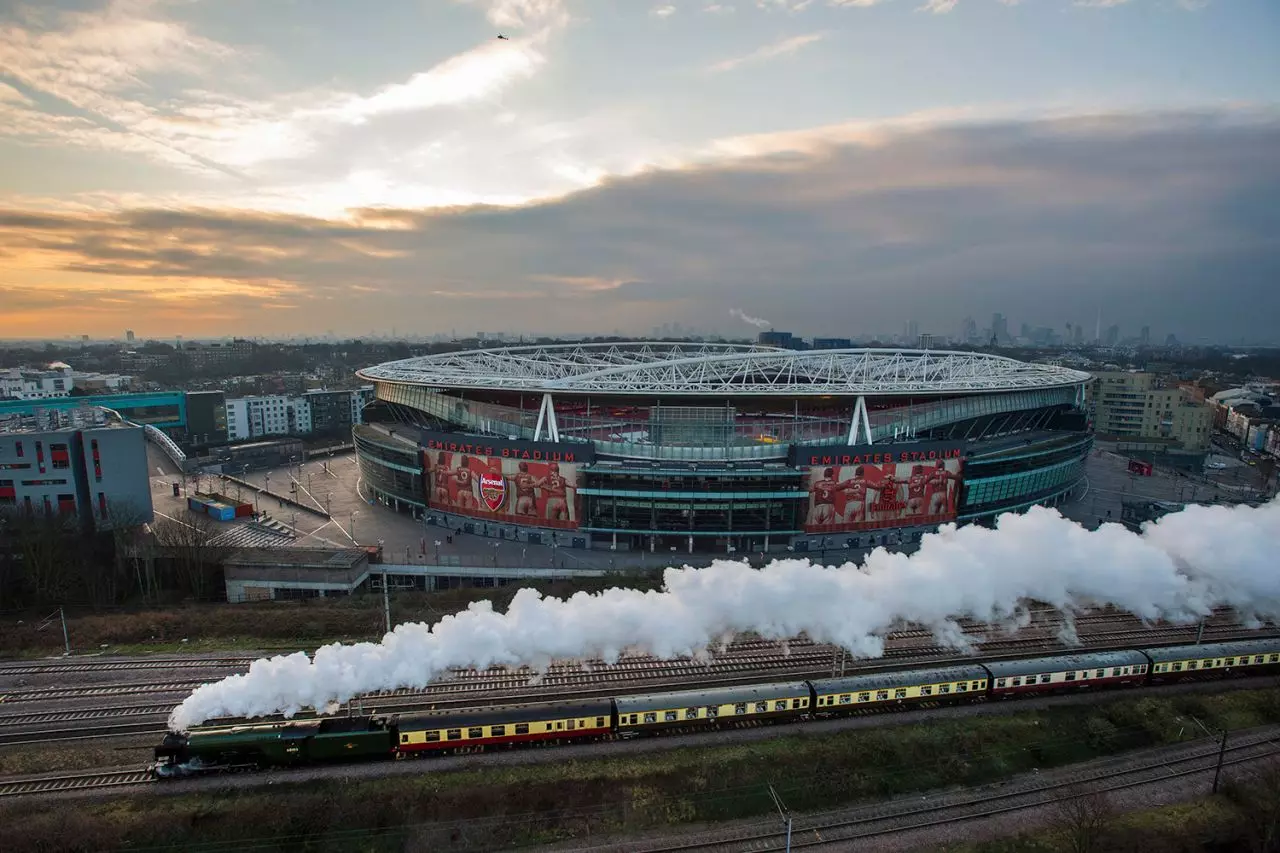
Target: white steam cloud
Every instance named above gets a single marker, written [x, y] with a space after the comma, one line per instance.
[1178, 569]
[747, 318]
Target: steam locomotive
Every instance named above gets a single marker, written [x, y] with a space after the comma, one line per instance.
[369, 737]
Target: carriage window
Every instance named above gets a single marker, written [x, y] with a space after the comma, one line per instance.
[1000, 682]
[404, 738]
[497, 731]
[691, 713]
[945, 688]
[522, 728]
[1260, 659]
[882, 695]
[864, 697]
[670, 716]
[926, 691]
[900, 693]
[651, 717]
[477, 731]
[1045, 679]
[454, 734]
[1192, 664]
[1275, 659]
[762, 707]
[780, 705]
[599, 722]
[740, 708]
[1177, 667]
[1102, 673]
[1017, 682]
[432, 737]
[962, 686]
[1231, 661]
[713, 711]
[846, 699]
[1070, 676]
[572, 725]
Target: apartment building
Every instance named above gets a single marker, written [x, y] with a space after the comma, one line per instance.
[1132, 407]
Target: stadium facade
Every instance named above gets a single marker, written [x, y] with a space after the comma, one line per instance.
[718, 447]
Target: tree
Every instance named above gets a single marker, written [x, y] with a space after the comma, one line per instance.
[1084, 818]
[191, 548]
[1256, 794]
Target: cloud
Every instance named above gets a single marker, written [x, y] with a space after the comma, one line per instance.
[938, 7]
[521, 14]
[664, 11]
[841, 231]
[770, 51]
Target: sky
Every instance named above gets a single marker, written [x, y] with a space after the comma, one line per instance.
[828, 167]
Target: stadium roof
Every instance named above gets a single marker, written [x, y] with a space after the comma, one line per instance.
[721, 370]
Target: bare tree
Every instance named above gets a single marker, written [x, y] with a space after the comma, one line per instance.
[1084, 818]
[195, 555]
[1256, 793]
[126, 523]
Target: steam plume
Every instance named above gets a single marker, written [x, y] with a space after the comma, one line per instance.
[1178, 569]
[747, 318]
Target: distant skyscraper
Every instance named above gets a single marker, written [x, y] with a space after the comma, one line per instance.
[1079, 334]
[1144, 337]
[1113, 336]
[926, 341]
[968, 331]
[128, 335]
[999, 328]
[913, 332]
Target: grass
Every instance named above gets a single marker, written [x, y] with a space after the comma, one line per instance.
[504, 806]
[259, 626]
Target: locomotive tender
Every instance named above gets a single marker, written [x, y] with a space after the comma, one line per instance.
[370, 737]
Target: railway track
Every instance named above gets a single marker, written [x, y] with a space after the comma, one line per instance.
[904, 815]
[77, 782]
[151, 719]
[63, 667]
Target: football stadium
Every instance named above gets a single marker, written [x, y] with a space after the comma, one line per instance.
[719, 447]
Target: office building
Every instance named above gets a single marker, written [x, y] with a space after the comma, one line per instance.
[1130, 407]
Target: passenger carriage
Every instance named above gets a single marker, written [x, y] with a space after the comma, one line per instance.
[880, 690]
[1214, 660]
[471, 731]
[656, 712]
[1059, 673]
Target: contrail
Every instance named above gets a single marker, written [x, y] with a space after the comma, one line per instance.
[1178, 569]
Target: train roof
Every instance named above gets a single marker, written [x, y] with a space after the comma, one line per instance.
[888, 680]
[1270, 645]
[714, 696]
[504, 716]
[1061, 663]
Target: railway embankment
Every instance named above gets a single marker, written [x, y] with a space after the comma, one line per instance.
[580, 800]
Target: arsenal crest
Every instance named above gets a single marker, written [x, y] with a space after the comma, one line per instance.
[493, 490]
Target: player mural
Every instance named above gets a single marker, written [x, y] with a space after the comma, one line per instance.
[862, 488]
[533, 485]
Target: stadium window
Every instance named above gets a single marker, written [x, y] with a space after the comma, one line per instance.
[497, 731]
[762, 707]
[432, 737]
[691, 713]
[900, 693]
[454, 734]
[740, 708]
[670, 716]
[882, 695]
[651, 717]
[780, 705]
[475, 731]
[522, 728]
[864, 697]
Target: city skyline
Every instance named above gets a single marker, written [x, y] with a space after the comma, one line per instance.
[833, 168]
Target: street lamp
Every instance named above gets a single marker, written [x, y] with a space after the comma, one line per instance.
[437, 552]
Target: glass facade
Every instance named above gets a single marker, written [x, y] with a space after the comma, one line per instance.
[391, 469]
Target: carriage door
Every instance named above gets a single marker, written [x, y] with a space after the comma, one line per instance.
[571, 724]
